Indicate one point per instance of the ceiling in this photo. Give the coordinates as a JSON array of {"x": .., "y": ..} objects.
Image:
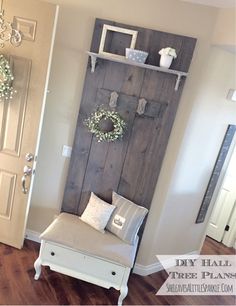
[{"x": 215, "y": 3}]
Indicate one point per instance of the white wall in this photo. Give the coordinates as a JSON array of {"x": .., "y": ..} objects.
[
  {"x": 177, "y": 232},
  {"x": 197, "y": 131},
  {"x": 225, "y": 28}
]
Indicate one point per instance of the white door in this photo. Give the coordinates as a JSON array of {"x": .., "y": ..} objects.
[
  {"x": 21, "y": 117},
  {"x": 225, "y": 203}
]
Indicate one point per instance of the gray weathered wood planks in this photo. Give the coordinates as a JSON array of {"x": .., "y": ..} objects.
[{"x": 131, "y": 165}]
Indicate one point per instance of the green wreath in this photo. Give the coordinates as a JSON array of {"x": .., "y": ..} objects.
[
  {"x": 94, "y": 125},
  {"x": 6, "y": 78}
]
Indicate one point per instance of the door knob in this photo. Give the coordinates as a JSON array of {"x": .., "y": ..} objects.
[
  {"x": 27, "y": 170},
  {"x": 23, "y": 181},
  {"x": 29, "y": 157}
]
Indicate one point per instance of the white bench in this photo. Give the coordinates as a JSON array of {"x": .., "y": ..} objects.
[{"x": 72, "y": 247}]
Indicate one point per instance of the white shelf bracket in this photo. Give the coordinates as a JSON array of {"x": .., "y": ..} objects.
[
  {"x": 93, "y": 62},
  {"x": 177, "y": 82}
]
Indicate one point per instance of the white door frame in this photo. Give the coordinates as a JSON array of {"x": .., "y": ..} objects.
[
  {"x": 42, "y": 115},
  {"x": 229, "y": 236},
  {"x": 218, "y": 187}
]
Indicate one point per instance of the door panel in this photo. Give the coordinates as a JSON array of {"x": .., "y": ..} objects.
[
  {"x": 222, "y": 209},
  {"x": 225, "y": 202},
  {"x": 21, "y": 117},
  {"x": 7, "y": 189},
  {"x": 13, "y": 114}
]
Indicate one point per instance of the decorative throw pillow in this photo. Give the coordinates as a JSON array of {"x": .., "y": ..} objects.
[
  {"x": 97, "y": 213},
  {"x": 126, "y": 218}
]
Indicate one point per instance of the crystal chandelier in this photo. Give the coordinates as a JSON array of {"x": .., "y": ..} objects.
[{"x": 7, "y": 32}]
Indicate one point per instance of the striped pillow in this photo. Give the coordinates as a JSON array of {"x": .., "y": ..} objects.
[{"x": 126, "y": 219}]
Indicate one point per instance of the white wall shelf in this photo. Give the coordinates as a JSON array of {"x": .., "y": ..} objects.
[{"x": 95, "y": 56}]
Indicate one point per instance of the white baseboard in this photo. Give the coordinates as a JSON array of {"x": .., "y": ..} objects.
[
  {"x": 147, "y": 270},
  {"x": 157, "y": 266},
  {"x": 32, "y": 235}
]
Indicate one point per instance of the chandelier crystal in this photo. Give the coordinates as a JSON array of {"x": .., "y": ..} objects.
[{"x": 7, "y": 32}]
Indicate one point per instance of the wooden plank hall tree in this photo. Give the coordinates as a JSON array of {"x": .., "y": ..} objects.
[{"x": 145, "y": 98}]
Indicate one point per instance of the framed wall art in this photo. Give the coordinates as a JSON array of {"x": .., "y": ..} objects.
[{"x": 109, "y": 28}]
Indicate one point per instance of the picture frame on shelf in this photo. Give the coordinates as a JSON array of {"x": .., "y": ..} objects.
[{"x": 106, "y": 29}]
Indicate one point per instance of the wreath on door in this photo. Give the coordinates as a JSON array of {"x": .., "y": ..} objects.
[
  {"x": 106, "y": 125},
  {"x": 6, "y": 79}
]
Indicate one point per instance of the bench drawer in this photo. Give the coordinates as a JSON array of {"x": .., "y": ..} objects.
[{"x": 88, "y": 265}]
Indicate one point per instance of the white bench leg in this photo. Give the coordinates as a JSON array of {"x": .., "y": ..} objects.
[
  {"x": 37, "y": 266},
  {"x": 123, "y": 294},
  {"x": 124, "y": 287}
]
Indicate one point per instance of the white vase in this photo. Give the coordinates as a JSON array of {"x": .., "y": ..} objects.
[{"x": 166, "y": 60}]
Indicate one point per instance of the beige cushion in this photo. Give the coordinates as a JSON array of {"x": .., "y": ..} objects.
[
  {"x": 68, "y": 230},
  {"x": 126, "y": 218},
  {"x": 97, "y": 213}
]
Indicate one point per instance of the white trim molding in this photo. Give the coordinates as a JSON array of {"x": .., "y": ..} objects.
[
  {"x": 32, "y": 235},
  {"x": 214, "y": 3},
  {"x": 147, "y": 270},
  {"x": 157, "y": 266}
]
